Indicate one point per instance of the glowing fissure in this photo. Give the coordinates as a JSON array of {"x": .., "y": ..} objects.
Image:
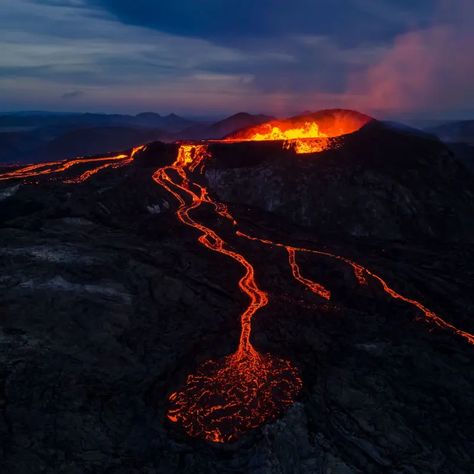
[{"x": 225, "y": 398}]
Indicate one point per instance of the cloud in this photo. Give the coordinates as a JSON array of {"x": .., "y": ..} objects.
[
  {"x": 424, "y": 70},
  {"x": 62, "y": 47},
  {"x": 241, "y": 23},
  {"x": 194, "y": 56}
]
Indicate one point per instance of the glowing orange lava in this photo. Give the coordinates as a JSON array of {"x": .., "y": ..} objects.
[
  {"x": 303, "y": 139},
  {"x": 124, "y": 160},
  {"x": 226, "y": 397},
  {"x": 56, "y": 167},
  {"x": 311, "y": 133},
  {"x": 314, "y": 287},
  {"x": 361, "y": 274},
  {"x": 271, "y": 131},
  {"x": 304, "y": 146}
]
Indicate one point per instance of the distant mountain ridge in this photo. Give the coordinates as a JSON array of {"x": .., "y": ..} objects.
[
  {"x": 457, "y": 132},
  {"x": 170, "y": 123},
  {"x": 41, "y": 136},
  {"x": 224, "y": 127},
  {"x": 459, "y": 136}
]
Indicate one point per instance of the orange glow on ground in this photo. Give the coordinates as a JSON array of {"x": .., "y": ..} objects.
[
  {"x": 57, "y": 167},
  {"x": 361, "y": 273},
  {"x": 226, "y": 397},
  {"x": 311, "y": 285}
]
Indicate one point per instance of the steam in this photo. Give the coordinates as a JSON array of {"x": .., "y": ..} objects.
[{"x": 429, "y": 69}]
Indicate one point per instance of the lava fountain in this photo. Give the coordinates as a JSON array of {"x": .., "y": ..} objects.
[
  {"x": 226, "y": 397},
  {"x": 308, "y": 133}
]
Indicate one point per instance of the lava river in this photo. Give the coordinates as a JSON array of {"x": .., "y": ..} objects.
[{"x": 225, "y": 398}]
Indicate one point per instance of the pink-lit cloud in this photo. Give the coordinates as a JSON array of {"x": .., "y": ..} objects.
[{"x": 425, "y": 70}]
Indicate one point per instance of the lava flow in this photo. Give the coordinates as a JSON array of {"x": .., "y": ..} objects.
[
  {"x": 229, "y": 396},
  {"x": 361, "y": 273},
  {"x": 57, "y": 167}
]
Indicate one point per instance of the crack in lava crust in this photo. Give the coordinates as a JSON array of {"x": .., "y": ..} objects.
[{"x": 225, "y": 397}]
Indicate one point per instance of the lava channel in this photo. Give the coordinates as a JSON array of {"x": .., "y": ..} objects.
[
  {"x": 58, "y": 167},
  {"x": 225, "y": 398}
]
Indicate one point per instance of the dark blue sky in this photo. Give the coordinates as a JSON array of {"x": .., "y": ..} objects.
[{"x": 211, "y": 56}]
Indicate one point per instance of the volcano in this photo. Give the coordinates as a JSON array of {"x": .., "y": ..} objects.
[{"x": 291, "y": 295}]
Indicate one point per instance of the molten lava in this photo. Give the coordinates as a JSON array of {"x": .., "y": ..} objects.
[
  {"x": 226, "y": 397},
  {"x": 56, "y": 167},
  {"x": 271, "y": 131},
  {"x": 361, "y": 273},
  {"x": 124, "y": 161},
  {"x": 311, "y": 285},
  {"x": 307, "y": 133}
]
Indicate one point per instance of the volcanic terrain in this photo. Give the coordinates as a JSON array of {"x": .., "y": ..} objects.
[{"x": 295, "y": 297}]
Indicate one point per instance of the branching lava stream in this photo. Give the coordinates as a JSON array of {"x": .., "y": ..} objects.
[{"x": 227, "y": 397}]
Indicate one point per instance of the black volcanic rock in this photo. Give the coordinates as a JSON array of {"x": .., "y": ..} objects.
[
  {"x": 33, "y": 137},
  {"x": 89, "y": 141},
  {"x": 107, "y": 303},
  {"x": 458, "y": 132},
  {"x": 378, "y": 182},
  {"x": 464, "y": 153}
]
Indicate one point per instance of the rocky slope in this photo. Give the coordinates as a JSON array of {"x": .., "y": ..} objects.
[
  {"x": 455, "y": 132},
  {"x": 107, "y": 303},
  {"x": 379, "y": 182}
]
